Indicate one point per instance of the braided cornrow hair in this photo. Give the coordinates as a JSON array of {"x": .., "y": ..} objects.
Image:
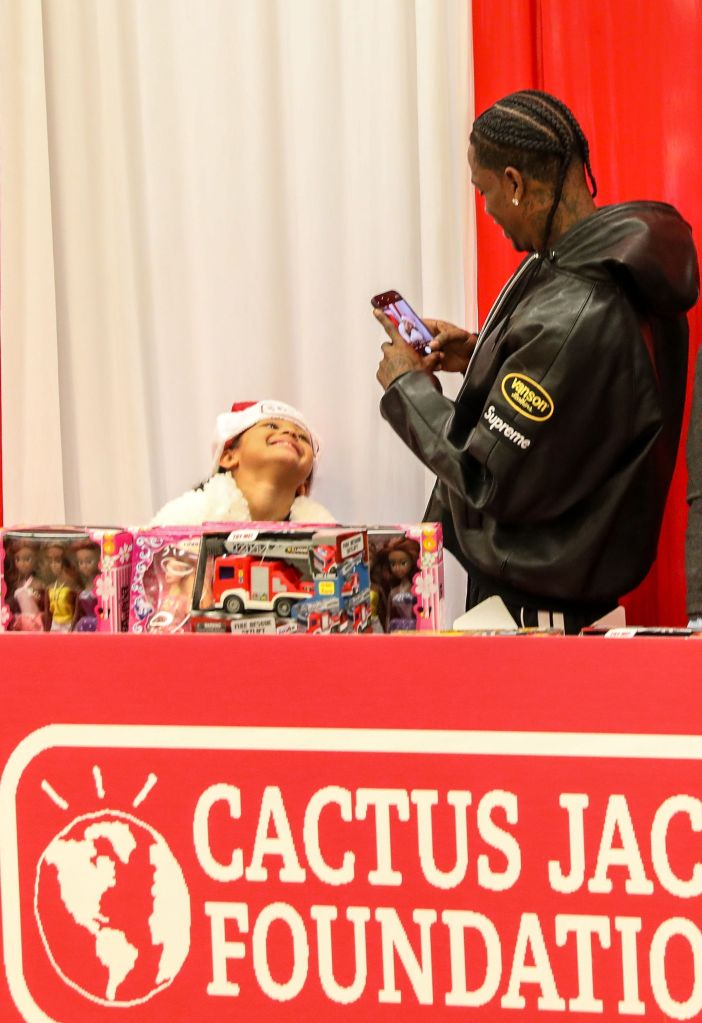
[{"x": 536, "y": 134}]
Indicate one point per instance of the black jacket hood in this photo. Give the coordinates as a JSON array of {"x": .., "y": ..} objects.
[{"x": 646, "y": 246}]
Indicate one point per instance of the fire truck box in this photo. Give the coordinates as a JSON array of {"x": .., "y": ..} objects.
[{"x": 284, "y": 572}]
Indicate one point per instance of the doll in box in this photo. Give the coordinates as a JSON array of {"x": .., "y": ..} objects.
[
  {"x": 26, "y": 594},
  {"x": 263, "y": 457},
  {"x": 176, "y": 576},
  {"x": 87, "y": 554},
  {"x": 396, "y": 565},
  {"x": 379, "y": 585},
  {"x": 63, "y": 589}
]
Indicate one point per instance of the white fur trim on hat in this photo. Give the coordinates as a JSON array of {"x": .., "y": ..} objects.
[{"x": 246, "y": 414}]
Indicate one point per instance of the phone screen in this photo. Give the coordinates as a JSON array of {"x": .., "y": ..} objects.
[{"x": 409, "y": 325}]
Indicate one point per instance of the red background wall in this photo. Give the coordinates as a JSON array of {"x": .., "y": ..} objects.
[{"x": 630, "y": 71}]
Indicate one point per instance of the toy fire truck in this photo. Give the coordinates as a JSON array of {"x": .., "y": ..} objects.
[{"x": 245, "y": 582}]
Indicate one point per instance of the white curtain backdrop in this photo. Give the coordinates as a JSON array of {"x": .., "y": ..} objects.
[{"x": 197, "y": 200}]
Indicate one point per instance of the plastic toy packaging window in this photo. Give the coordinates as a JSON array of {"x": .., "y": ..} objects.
[
  {"x": 168, "y": 586},
  {"x": 49, "y": 583},
  {"x": 241, "y": 581}
]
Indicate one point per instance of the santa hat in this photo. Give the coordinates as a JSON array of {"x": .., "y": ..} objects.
[{"x": 245, "y": 414}]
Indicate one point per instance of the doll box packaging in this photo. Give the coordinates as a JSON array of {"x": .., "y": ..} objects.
[
  {"x": 407, "y": 577},
  {"x": 165, "y": 563},
  {"x": 65, "y": 579},
  {"x": 309, "y": 580}
]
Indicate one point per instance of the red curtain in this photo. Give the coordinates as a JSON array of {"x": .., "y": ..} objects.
[{"x": 631, "y": 73}]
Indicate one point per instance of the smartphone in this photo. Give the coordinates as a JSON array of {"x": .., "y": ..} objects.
[{"x": 411, "y": 328}]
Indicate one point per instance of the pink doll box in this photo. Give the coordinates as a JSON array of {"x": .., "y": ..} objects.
[
  {"x": 165, "y": 563},
  {"x": 407, "y": 594},
  {"x": 65, "y": 579}
]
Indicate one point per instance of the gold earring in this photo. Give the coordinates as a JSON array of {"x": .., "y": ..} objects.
[{"x": 515, "y": 201}]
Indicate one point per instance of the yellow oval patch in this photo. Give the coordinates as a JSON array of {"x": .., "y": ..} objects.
[{"x": 527, "y": 397}]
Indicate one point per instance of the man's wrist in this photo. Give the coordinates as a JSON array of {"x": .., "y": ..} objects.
[{"x": 399, "y": 377}]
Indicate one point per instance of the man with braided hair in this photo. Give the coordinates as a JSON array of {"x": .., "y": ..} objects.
[{"x": 554, "y": 462}]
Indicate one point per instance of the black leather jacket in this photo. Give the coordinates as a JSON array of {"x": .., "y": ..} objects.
[{"x": 554, "y": 462}]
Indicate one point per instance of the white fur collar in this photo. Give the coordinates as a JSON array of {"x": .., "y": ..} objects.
[{"x": 220, "y": 500}]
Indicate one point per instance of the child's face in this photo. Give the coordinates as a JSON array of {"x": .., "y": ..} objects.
[
  {"x": 276, "y": 441},
  {"x": 400, "y": 564},
  {"x": 25, "y": 560}
]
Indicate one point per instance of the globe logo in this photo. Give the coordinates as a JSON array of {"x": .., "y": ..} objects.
[{"x": 113, "y": 908}]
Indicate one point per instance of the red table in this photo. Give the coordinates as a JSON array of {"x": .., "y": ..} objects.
[{"x": 198, "y": 828}]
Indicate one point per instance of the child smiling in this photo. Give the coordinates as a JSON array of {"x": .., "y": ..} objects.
[{"x": 264, "y": 455}]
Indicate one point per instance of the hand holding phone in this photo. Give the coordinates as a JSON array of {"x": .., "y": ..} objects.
[
  {"x": 453, "y": 345},
  {"x": 410, "y": 327}
]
